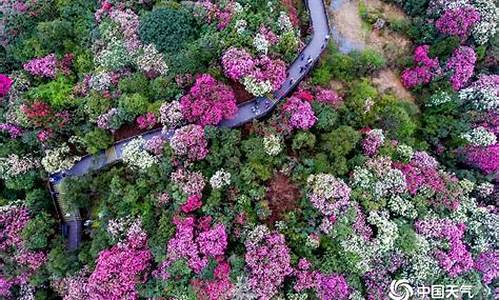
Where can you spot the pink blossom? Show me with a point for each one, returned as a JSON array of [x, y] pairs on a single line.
[[208, 102], [424, 71], [299, 113], [237, 63], [487, 264], [189, 141], [483, 158], [13, 130], [193, 203], [5, 84], [146, 121], [328, 96]]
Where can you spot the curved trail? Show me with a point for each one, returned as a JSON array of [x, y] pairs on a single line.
[[248, 111]]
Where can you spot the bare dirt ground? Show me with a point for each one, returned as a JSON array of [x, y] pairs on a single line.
[[349, 24], [388, 81]]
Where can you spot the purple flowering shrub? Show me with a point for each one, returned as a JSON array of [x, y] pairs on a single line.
[[208, 102]]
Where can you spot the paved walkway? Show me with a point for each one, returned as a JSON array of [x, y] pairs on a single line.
[[248, 111]]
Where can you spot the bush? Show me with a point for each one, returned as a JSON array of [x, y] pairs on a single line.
[[131, 106], [444, 47], [97, 140], [136, 83], [338, 144], [56, 92], [168, 29], [37, 232]]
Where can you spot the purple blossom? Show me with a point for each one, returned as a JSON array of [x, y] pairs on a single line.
[[42, 67], [487, 264], [13, 130], [457, 259], [458, 21], [189, 141], [483, 158], [268, 261], [373, 141], [332, 287], [461, 65]]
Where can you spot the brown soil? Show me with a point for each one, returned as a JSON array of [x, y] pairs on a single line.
[[390, 11], [239, 92], [128, 130], [282, 195], [388, 81]]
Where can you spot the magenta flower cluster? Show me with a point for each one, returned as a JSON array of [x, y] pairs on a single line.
[[487, 264], [328, 96], [222, 16], [238, 63], [483, 158], [146, 121], [461, 65], [425, 70], [5, 84], [268, 261], [189, 141], [13, 219], [208, 102], [456, 260], [373, 141], [299, 114], [120, 269], [195, 243], [458, 21], [327, 287], [42, 67]]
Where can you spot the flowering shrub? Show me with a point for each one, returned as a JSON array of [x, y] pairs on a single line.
[[146, 121], [58, 159], [461, 64], [208, 102], [427, 68], [300, 114], [458, 21], [121, 268], [171, 114], [268, 260], [482, 94], [259, 76], [42, 67], [5, 84], [327, 192], [189, 141], [374, 139], [135, 155]]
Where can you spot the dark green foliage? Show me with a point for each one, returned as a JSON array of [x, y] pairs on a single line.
[[136, 83], [338, 144], [37, 232], [96, 140], [132, 105], [444, 47], [162, 88], [60, 262], [397, 118], [168, 29], [326, 114], [224, 151], [303, 140]]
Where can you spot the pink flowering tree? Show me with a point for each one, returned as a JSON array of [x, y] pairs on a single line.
[[299, 113], [5, 84], [208, 102], [189, 141], [268, 261], [237, 63], [456, 259], [42, 67], [18, 263], [119, 269], [425, 70], [194, 244]]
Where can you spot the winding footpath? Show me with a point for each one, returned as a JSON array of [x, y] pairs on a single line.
[[248, 111]]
